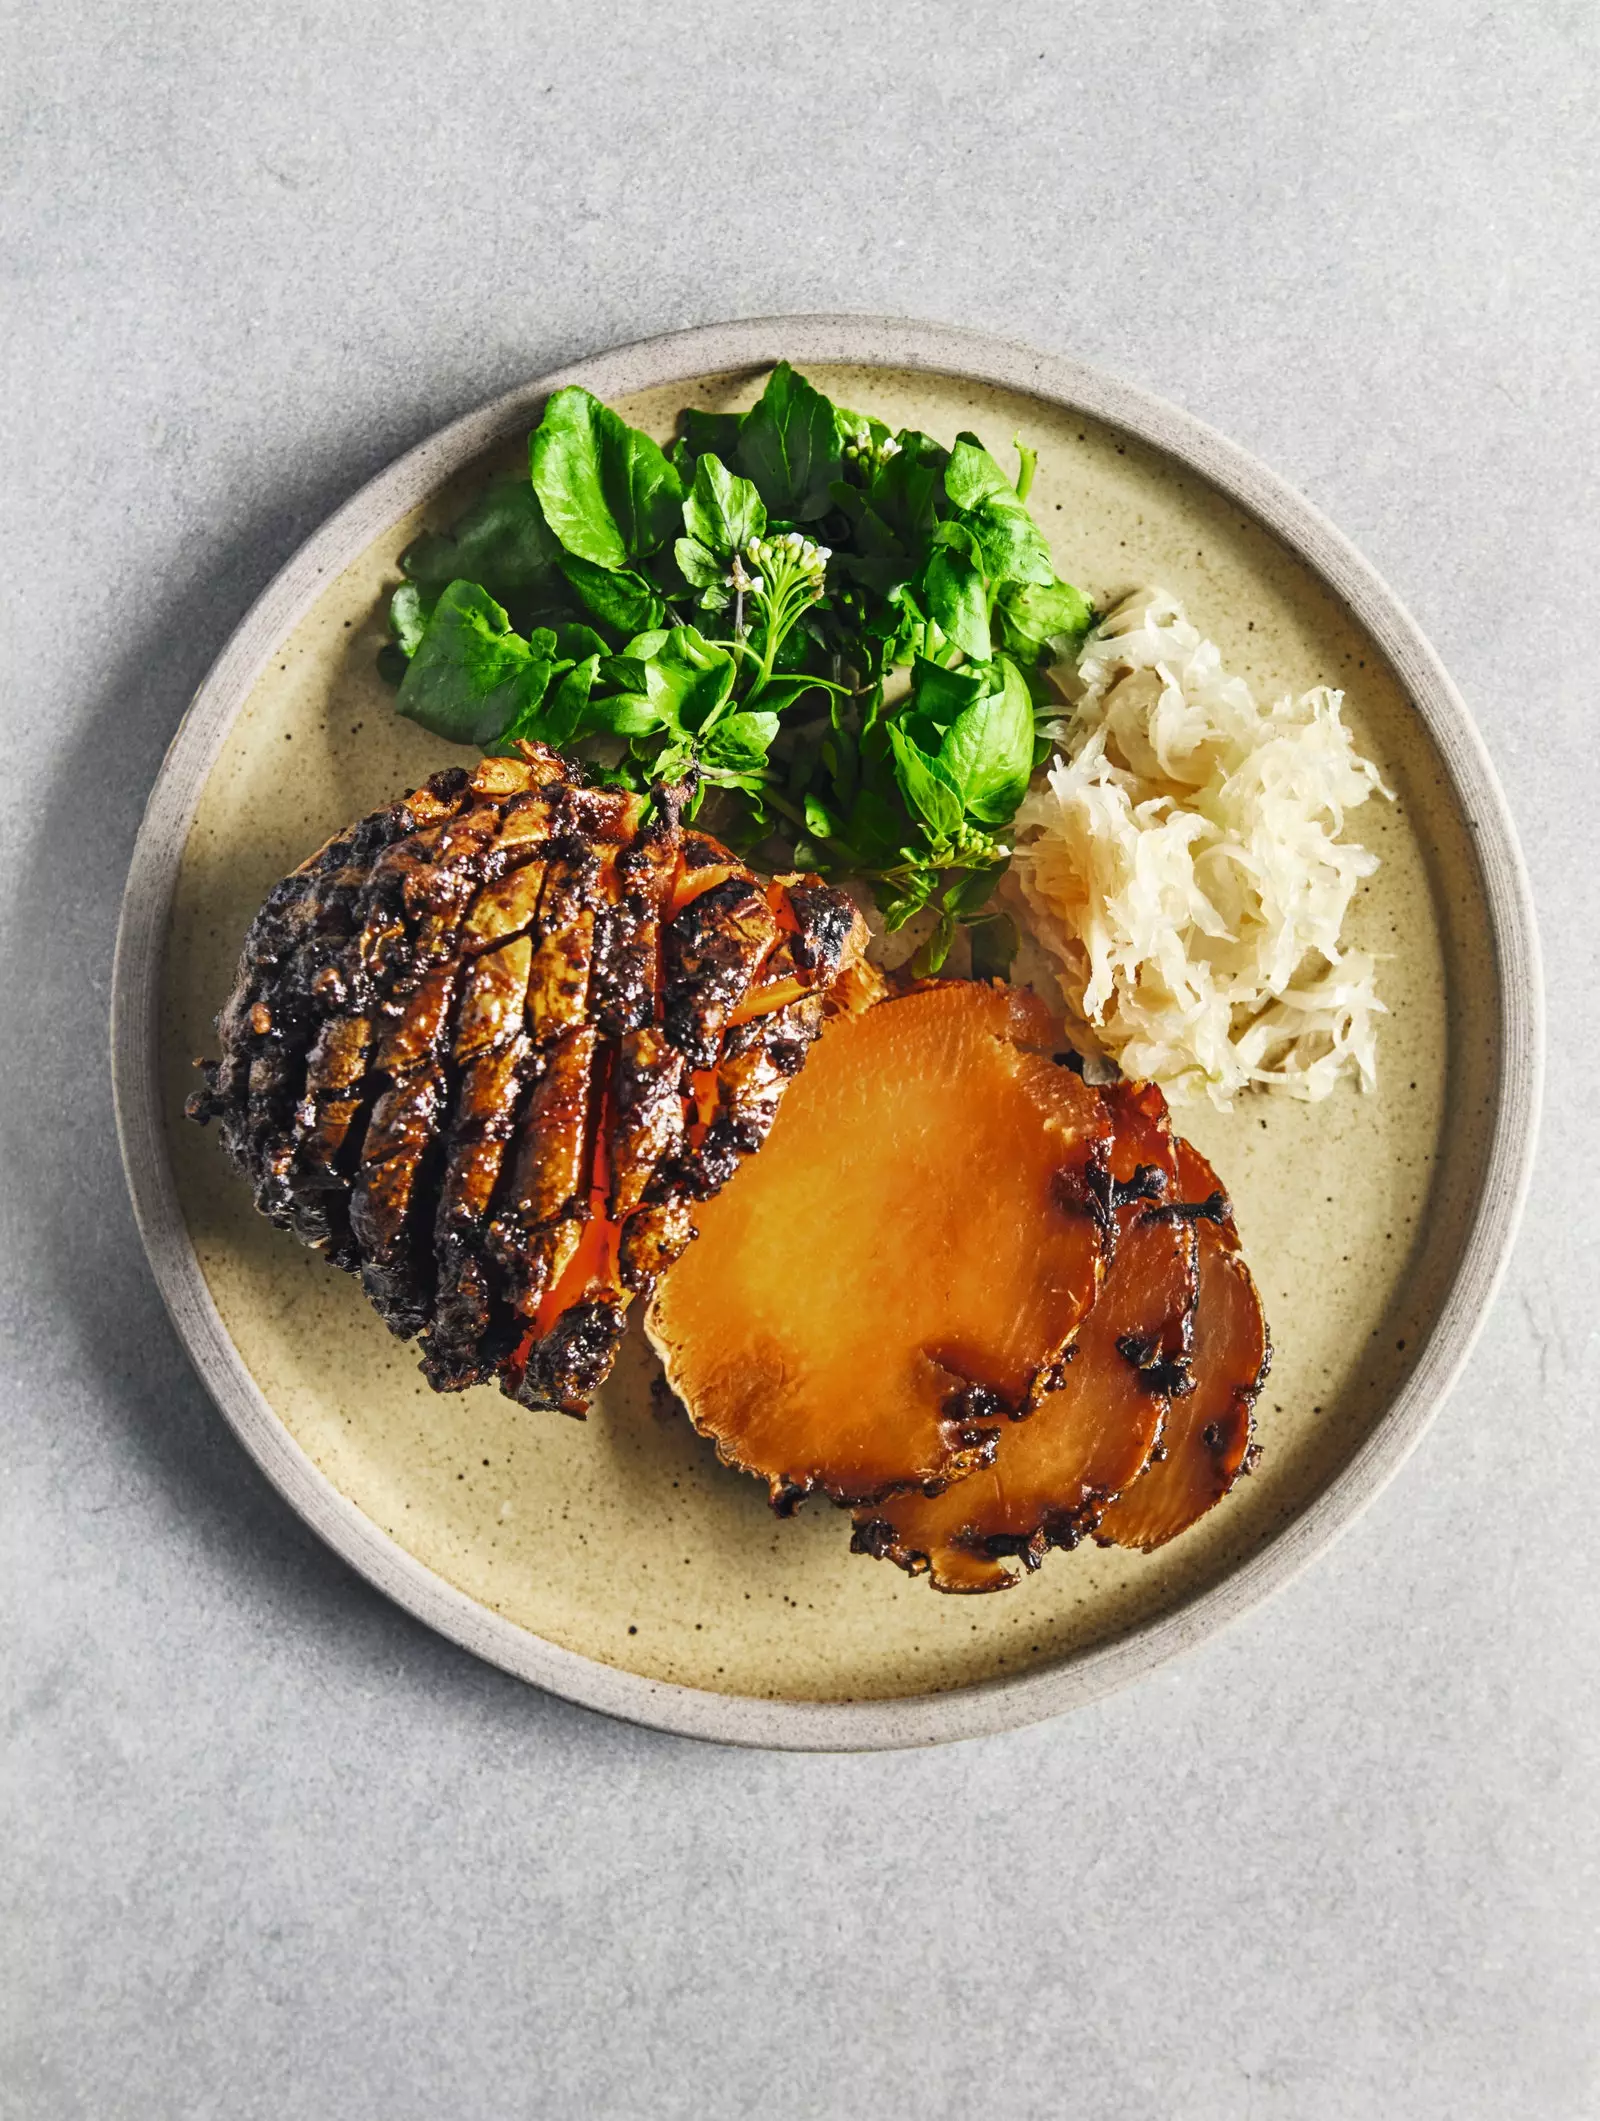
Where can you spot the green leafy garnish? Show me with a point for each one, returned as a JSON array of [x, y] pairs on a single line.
[[837, 633], [607, 491], [471, 676], [790, 445]]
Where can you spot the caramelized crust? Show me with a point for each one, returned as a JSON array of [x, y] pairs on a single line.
[[1206, 1444], [647, 1123], [711, 950], [913, 1247]]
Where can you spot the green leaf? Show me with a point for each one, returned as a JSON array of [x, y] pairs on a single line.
[[988, 752], [714, 431], [741, 741], [941, 696], [910, 897], [972, 475], [502, 543], [624, 714], [955, 533], [906, 489], [820, 820], [931, 955], [688, 680], [927, 788], [644, 645], [748, 783], [472, 677], [562, 714], [956, 602], [575, 642], [673, 763], [607, 491], [994, 946], [700, 565], [871, 538], [723, 512], [1010, 543], [618, 597], [789, 446], [408, 617], [1034, 617], [779, 694], [969, 894], [873, 828]]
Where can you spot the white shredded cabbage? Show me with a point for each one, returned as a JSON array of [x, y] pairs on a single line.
[[1184, 864]]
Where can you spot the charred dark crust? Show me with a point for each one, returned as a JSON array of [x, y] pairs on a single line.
[[651, 1240], [574, 1359], [439, 1023], [647, 1124], [710, 954], [1091, 1189], [877, 1536], [970, 1404], [1215, 1208], [1062, 1530], [759, 1060], [824, 919], [1167, 1378]]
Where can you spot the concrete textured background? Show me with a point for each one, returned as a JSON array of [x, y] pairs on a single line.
[[266, 1848]]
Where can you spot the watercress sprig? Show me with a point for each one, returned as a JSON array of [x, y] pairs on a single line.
[[841, 632]]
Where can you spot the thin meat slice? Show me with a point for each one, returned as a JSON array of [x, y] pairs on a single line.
[[651, 1239], [626, 970], [493, 1051], [1207, 1440], [507, 907], [1092, 1435], [710, 953], [404, 1123], [915, 1246], [329, 1108], [549, 1180], [647, 1122], [760, 1057], [558, 985]]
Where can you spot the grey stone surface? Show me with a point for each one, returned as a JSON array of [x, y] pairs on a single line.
[[266, 1848]]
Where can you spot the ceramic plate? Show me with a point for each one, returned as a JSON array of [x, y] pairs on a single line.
[[615, 1561]]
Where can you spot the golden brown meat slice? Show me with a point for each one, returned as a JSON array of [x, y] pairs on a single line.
[[558, 985], [1092, 1435], [651, 1240], [625, 974], [549, 1178], [647, 1116], [914, 1246], [1207, 1439], [507, 907]]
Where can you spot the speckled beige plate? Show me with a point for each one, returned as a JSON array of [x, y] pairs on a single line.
[[615, 1561]]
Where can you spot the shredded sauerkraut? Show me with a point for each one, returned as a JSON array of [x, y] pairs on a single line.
[[1183, 862]]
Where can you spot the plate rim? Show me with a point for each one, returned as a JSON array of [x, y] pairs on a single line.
[[988, 1706]]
